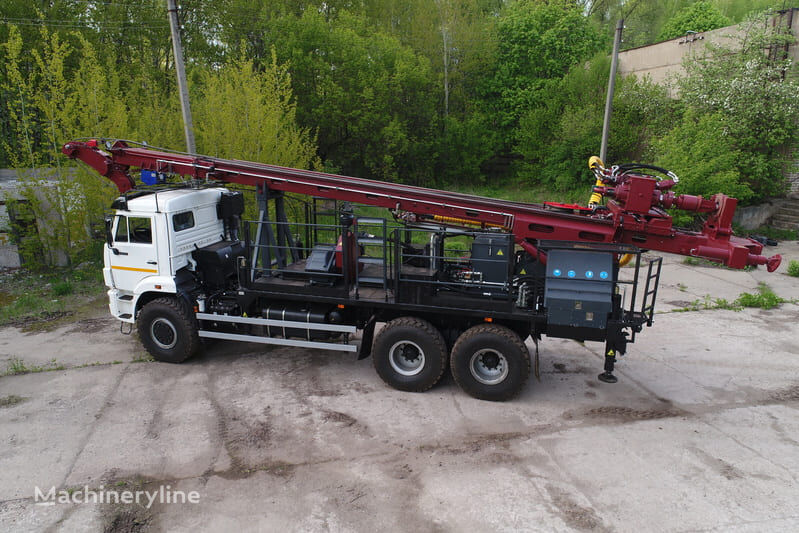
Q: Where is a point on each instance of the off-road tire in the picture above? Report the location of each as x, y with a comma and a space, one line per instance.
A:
411, 333
167, 330
492, 340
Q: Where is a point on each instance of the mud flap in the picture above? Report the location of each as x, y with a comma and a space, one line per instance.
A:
365, 349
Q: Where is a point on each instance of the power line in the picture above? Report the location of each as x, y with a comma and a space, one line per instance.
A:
78, 24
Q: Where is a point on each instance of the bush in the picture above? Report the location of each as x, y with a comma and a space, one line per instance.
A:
793, 269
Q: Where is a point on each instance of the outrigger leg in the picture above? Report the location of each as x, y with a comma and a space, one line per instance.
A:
610, 362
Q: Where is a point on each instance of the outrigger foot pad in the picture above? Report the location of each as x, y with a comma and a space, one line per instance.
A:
607, 377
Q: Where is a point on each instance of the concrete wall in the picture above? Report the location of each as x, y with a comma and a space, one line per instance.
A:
9, 178
755, 216
663, 61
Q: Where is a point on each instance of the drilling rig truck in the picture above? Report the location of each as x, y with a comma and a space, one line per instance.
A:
453, 280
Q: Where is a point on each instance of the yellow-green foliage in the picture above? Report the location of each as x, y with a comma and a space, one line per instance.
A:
240, 112
249, 114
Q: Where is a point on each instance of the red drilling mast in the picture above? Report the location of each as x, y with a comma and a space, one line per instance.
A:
635, 212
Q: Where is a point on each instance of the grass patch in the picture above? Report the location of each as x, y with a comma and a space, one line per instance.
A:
699, 261
707, 302
11, 400
62, 288
29, 296
17, 366
777, 234
793, 268
765, 298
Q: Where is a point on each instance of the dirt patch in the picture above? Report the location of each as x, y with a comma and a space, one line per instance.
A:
624, 414
572, 513
791, 394
720, 466
679, 303
128, 520
561, 368
11, 400
33, 323
6, 298
479, 443
337, 417
278, 468
92, 325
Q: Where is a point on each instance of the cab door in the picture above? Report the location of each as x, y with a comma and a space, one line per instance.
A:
134, 255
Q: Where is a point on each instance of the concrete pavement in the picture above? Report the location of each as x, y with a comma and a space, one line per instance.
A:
700, 433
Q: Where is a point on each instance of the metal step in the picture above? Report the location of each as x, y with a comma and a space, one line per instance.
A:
125, 315
371, 240
126, 297
372, 280
371, 260
318, 326
281, 342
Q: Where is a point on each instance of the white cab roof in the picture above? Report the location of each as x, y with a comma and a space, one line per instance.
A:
175, 200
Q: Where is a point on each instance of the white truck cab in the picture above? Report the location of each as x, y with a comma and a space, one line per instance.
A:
151, 237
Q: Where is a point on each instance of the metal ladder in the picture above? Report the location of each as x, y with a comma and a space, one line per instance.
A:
375, 240
651, 289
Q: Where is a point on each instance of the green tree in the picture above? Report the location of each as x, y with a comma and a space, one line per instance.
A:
370, 99
697, 17
749, 91
246, 114
701, 152
557, 137
537, 41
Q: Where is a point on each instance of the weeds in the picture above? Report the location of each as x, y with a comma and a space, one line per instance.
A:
709, 303
777, 234
764, 299
29, 296
699, 261
62, 288
17, 366
793, 268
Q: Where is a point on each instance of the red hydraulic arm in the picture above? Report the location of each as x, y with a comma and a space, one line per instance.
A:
635, 214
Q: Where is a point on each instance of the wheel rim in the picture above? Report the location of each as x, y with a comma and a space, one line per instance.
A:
406, 358
163, 333
488, 366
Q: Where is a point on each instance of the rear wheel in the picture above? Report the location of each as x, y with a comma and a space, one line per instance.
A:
167, 330
410, 354
490, 362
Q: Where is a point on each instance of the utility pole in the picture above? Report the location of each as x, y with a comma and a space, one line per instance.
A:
183, 89
614, 63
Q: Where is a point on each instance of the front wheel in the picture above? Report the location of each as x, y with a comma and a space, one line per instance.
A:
490, 362
167, 330
410, 354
